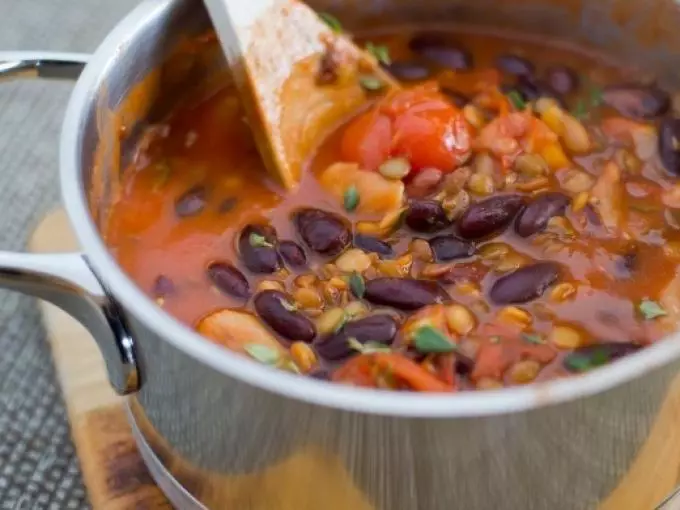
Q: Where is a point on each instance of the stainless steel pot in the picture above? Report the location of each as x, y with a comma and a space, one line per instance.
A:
221, 431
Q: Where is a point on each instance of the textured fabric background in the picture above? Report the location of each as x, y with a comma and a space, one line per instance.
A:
38, 466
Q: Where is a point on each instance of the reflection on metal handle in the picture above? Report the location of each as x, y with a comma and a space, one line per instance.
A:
66, 279
25, 64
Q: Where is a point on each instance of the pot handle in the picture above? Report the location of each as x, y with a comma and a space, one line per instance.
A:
67, 280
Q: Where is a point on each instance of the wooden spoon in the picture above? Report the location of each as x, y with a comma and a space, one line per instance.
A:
297, 77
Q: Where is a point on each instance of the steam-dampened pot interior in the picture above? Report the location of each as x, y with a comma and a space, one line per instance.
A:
511, 216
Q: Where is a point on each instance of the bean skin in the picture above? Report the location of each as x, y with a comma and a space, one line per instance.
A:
191, 203
512, 64
489, 216
404, 293
324, 232
440, 51
408, 70
534, 218
446, 248
562, 79
426, 216
669, 135
289, 324
163, 286
525, 284
637, 101
293, 254
259, 259
229, 280
374, 245
380, 328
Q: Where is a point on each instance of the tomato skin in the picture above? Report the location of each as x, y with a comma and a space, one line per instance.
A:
367, 139
419, 124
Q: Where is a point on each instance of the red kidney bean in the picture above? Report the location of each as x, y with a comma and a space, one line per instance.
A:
282, 318
512, 64
525, 284
534, 218
669, 135
322, 374
489, 216
532, 88
376, 328
404, 293
447, 248
426, 216
293, 254
257, 248
408, 70
457, 98
229, 280
163, 286
637, 101
374, 245
437, 49
562, 79
586, 358
191, 203
324, 232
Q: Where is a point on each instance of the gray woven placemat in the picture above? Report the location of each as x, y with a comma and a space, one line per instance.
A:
38, 465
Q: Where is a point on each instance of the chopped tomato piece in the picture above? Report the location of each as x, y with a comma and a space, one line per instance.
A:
367, 370
419, 124
491, 361
368, 139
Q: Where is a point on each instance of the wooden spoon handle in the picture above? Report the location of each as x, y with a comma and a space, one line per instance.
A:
274, 48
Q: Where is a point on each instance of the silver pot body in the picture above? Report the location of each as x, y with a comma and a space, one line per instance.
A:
223, 432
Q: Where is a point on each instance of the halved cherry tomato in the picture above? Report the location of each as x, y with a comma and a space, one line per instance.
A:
419, 124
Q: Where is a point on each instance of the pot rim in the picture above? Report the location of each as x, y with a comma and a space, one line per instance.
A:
398, 404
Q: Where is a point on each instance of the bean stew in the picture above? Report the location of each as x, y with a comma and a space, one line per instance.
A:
510, 215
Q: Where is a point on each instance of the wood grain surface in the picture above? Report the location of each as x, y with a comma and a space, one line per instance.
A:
115, 474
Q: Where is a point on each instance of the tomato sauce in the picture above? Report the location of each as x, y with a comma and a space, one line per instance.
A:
580, 159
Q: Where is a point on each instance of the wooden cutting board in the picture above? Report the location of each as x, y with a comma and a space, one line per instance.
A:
114, 472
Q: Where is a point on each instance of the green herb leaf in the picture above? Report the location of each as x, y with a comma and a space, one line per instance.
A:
351, 198
367, 347
370, 83
580, 111
357, 284
380, 52
428, 339
516, 100
576, 362
332, 22
651, 309
258, 241
262, 353
532, 338
596, 95
584, 361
